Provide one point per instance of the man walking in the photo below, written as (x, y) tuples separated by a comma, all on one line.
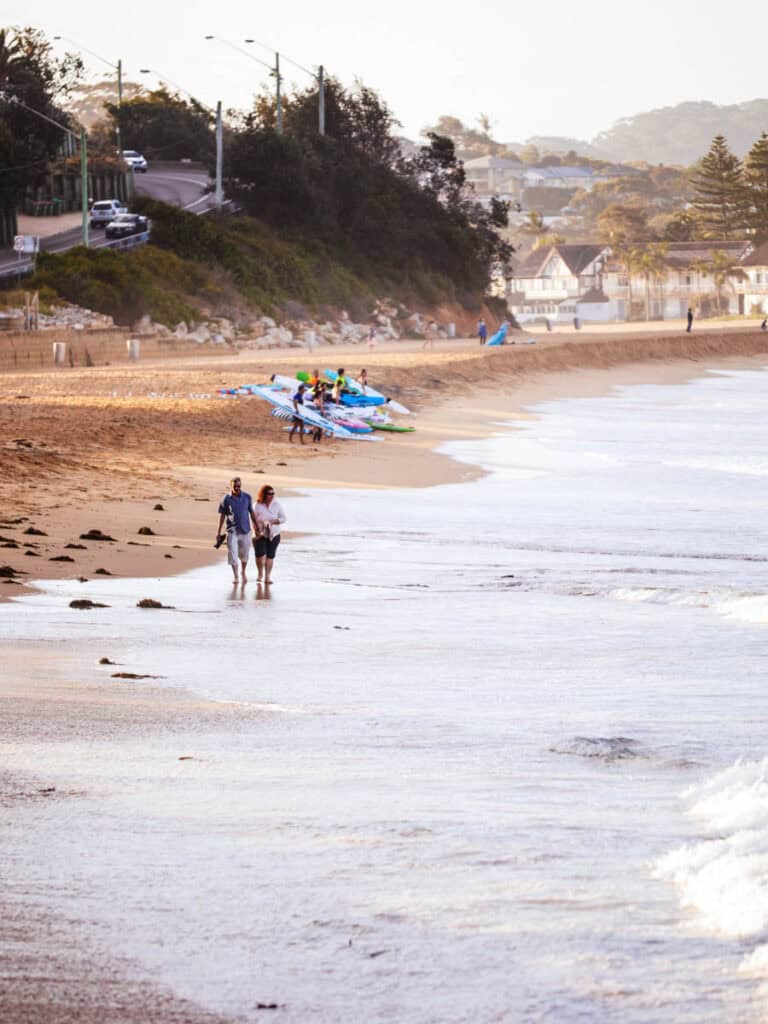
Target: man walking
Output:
[(482, 330), (237, 509), (690, 321)]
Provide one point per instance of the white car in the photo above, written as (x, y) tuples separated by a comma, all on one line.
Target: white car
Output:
[(105, 210), (135, 160)]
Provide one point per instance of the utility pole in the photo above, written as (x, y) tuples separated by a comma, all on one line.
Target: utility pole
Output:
[(219, 193), (278, 95), (119, 105), (84, 183), (321, 100)]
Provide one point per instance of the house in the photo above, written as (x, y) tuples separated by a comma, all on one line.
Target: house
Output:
[(495, 176), (651, 281), (684, 275), (552, 282), (752, 288)]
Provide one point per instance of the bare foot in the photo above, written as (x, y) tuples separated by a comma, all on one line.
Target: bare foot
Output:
[(267, 581)]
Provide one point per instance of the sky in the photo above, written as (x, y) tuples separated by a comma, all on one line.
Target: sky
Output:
[(551, 67)]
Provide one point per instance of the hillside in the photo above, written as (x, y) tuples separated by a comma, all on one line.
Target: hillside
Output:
[(678, 134)]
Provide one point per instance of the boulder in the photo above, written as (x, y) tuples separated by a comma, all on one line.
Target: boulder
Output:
[(180, 330), (200, 335)]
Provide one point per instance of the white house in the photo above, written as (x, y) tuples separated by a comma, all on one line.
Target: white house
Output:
[(554, 280), (752, 288), (702, 276), (594, 283)]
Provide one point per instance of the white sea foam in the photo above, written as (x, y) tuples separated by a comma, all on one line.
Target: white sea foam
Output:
[(724, 877)]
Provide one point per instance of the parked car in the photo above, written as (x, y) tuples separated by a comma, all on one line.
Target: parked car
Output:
[(135, 160), (106, 210), (127, 224)]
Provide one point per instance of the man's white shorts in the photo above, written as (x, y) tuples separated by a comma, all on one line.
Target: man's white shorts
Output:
[(238, 546)]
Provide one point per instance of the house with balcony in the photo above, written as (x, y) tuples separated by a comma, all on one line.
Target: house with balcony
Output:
[(752, 287), (555, 281), (656, 282), (495, 176), (664, 282)]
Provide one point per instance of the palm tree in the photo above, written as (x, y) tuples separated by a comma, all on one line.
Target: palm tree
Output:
[(629, 257), (653, 264), (720, 268)]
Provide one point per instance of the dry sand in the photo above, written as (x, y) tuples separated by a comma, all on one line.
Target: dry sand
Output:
[(101, 447)]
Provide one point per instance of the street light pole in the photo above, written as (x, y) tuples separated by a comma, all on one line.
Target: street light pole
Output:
[(278, 96), (84, 184), (219, 193), (321, 100)]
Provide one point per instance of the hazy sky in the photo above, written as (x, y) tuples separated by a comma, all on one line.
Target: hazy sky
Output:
[(550, 67)]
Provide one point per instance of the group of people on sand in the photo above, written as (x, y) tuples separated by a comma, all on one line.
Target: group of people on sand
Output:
[(237, 514), (320, 391)]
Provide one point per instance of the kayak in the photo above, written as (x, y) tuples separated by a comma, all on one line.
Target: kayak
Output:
[(393, 428)]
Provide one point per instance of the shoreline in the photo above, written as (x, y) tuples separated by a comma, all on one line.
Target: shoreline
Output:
[(130, 431)]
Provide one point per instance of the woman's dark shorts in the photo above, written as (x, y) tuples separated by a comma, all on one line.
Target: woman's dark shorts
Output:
[(263, 547)]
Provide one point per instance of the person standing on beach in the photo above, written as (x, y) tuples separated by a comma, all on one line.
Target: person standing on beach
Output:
[(482, 331), (690, 321), (236, 508), (298, 422), (339, 385), (269, 518), (364, 381), (372, 337), (429, 336)]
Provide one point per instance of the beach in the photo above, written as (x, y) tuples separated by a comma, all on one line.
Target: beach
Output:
[(99, 449)]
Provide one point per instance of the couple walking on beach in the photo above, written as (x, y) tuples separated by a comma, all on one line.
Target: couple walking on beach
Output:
[(238, 512)]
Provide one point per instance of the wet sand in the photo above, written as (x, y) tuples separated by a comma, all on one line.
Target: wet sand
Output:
[(99, 448)]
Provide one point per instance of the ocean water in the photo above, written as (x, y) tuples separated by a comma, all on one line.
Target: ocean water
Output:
[(510, 761)]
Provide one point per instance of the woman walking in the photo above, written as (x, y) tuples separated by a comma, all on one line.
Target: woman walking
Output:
[(269, 518)]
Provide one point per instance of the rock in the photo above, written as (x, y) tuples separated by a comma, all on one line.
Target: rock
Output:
[(146, 531), (102, 572), (97, 535), (61, 558), (180, 330), (149, 602), (105, 661), (158, 508), (85, 603), (32, 554), (267, 322), (8, 572), (131, 675), (31, 531), (145, 328), (200, 335), (75, 547)]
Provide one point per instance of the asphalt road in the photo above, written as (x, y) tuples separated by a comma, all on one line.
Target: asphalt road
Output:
[(179, 186)]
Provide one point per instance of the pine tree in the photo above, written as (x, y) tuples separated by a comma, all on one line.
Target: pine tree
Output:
[(756, 178), (720, 200)]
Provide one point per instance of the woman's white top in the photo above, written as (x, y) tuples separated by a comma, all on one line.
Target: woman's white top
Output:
[(266, 513)]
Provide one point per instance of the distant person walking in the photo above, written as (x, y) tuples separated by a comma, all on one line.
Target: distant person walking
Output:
[(764, 325), (690, 321), (429, 335), (269, 518), (372, 331), (482, 331), (236, 509)]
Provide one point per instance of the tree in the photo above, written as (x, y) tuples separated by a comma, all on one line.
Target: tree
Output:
[(32, 76), (163, 126), (619, 225), (680, 227), (652, 262), (756, 179), (720, 267), (719, 193), (629, 257)]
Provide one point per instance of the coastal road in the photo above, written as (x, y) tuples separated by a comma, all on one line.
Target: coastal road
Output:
[(180, 186)]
